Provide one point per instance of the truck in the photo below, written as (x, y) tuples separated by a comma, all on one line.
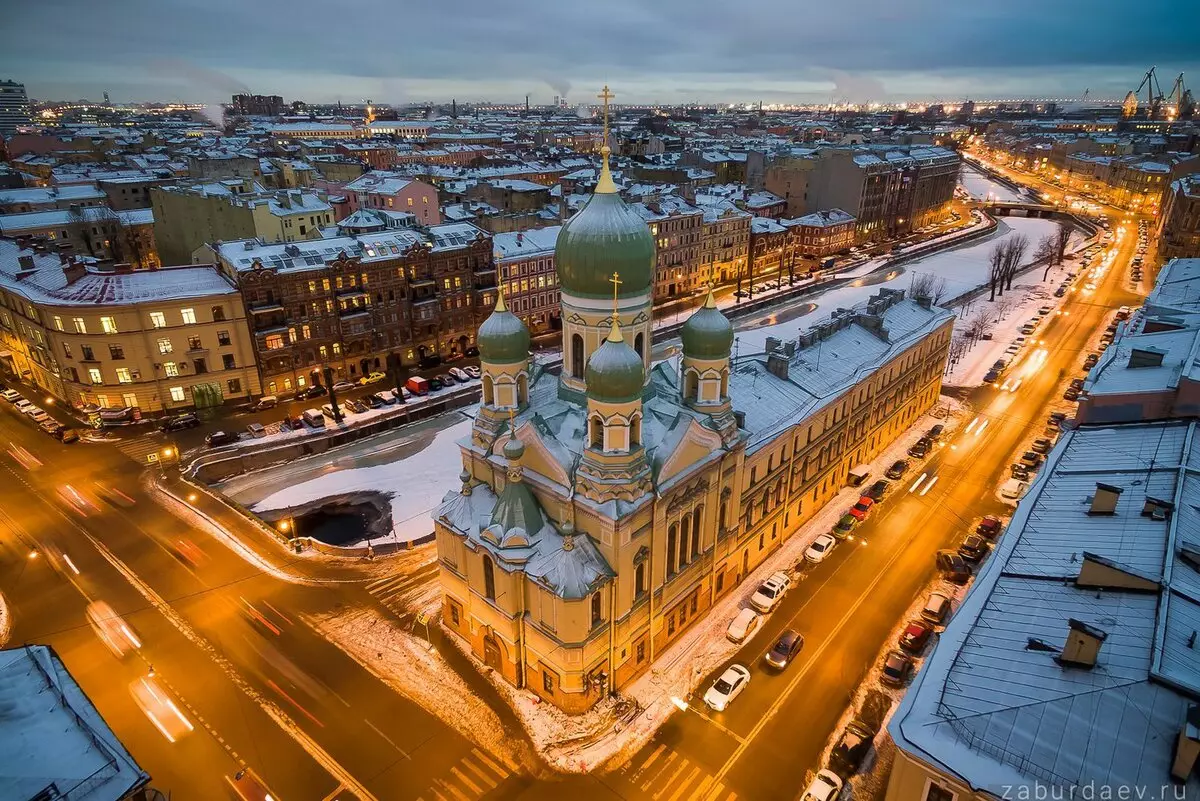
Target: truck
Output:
[(417, 385)]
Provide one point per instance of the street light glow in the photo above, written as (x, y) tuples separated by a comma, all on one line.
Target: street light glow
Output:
[(167, 452), (284, 525)]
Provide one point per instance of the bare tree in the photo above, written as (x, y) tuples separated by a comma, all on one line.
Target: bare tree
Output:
[(1045, 253), (996, 272), (1062, 237), (1005, 306), (929, 285), (978, 325), (1013, 256)]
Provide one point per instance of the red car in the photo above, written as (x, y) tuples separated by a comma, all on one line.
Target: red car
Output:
[(861, 509), (989, 527), (915, 635)]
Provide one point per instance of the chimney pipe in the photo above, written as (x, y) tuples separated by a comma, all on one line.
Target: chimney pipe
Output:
[(1082, 646)]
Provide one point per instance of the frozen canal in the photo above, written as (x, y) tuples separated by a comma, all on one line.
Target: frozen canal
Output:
[(981, 187)]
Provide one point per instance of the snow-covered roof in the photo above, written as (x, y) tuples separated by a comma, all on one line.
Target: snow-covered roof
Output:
[(513, 246), (54, 741), (51, 195), (821, 219), (381, 182), (48, 284), (33, 221), (994, 706)]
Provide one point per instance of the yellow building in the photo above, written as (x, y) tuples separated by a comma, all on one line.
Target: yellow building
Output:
[(157, 340), (603, 510)]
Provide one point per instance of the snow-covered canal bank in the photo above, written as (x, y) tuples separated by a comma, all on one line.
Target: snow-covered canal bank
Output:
[(981, 187)]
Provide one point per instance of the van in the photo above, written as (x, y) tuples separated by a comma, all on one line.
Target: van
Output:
[(266, 402), (417, 385), (858, 475), (314, 418)]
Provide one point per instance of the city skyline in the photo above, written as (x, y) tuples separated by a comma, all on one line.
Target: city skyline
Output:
[(671, 53)]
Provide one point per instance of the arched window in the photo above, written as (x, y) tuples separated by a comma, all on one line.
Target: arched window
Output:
[(637, 345), (522, 389), (696, 531), (489, 396), (724, 521), (596, 609), (690, 386), (685, 530), (576, 356), (639, 580), (672, 538), (635, 432), (724, 384), (489, 578), (596, 433)]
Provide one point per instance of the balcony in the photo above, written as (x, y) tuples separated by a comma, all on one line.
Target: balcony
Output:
[(266, 308)]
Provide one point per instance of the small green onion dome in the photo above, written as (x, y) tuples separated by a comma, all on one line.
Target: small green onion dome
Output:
[(514, 449), (503, 338), (615, 373), (605, 237), (707, 334)]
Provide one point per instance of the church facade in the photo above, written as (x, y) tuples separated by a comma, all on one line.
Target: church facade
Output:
[(606, 507)]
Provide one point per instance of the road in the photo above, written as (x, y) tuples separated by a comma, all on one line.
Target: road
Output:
[(268, 692)]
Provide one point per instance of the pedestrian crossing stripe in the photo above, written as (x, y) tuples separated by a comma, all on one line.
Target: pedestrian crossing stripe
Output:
[(391, 590), (471, 778), (140, 449), (667, 775)]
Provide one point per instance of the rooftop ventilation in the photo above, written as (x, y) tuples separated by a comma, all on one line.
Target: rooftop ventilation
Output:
[(1082, 645), (777, 365), (1103, 573), (1104, 502), (1146, 357), (1157, 509)]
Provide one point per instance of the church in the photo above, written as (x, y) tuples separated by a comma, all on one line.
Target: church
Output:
[(606, 506)]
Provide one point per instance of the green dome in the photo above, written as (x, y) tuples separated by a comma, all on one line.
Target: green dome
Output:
[(503, 338), (615, 373), (707, 334), (605, 237)]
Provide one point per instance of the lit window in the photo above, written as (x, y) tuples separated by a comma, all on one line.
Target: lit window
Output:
[(188, 315), (337, 349), (94, 376), (58, 322), (123, 376), (108, 324), (177, 394), (158, 319), (164, 345), (312, 287), (171, 368), (80, 328), (305, 331), (274, 341), (410, 202)]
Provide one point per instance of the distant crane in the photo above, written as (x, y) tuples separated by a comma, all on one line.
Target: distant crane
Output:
[(1154, 97), (1179, 99)]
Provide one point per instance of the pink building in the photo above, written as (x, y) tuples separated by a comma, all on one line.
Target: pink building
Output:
[(393, 192)]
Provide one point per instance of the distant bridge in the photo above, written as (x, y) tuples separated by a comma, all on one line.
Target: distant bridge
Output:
[(998, 208)]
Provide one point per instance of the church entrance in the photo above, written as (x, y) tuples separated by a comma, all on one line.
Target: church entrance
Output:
[(491, 652)]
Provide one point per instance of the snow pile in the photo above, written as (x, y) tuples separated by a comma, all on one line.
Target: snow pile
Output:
[(614, 731), (415, 484), (1005, 317), (414, 669)]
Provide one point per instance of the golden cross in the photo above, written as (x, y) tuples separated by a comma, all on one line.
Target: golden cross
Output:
[(606, 96), (616, 282), (512, 423)]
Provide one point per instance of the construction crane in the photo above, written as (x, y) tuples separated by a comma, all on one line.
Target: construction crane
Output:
[(1180, 104), (1154, 97)]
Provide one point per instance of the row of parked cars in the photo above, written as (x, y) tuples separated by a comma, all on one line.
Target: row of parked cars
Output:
[(45, 422), (1135, 267)]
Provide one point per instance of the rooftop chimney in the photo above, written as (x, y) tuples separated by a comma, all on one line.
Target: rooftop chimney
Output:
[(1149, 356), (25, 262), (1104, 502), (1187, 746), (74, 270), (777, 365), (1082, 646)]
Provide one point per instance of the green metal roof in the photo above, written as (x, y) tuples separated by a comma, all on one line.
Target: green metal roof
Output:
[(605, 237)]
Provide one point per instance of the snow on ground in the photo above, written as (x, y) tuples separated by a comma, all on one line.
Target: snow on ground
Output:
[(413, 668), (5, 621), (981, 187), (415, 483), (1007, 315), (611, 733)]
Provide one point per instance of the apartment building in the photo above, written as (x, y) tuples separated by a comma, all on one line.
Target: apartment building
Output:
[(362, 303), (1179, 223), (125, 237), (725, 245), (525, 261), (823, 233), (678, 231), (394, 192), (153, 340)]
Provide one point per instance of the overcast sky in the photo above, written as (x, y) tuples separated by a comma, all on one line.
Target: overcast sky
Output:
[(648, 50)]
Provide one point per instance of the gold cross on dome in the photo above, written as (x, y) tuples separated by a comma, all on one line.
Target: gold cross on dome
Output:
[(616, 282), (606, 96)]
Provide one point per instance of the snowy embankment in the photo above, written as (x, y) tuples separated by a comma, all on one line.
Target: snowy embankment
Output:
[(5, 621), (615, 730), (415, 484)]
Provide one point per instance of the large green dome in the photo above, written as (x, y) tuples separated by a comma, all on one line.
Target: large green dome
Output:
[(615, 373), (503, 338), (605, 237), (707, 334)]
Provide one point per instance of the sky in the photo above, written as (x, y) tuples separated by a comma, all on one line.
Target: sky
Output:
[(668, 51)]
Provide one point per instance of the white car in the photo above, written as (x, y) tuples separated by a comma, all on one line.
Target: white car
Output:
[(770, 592), (743, 626), (460, 374), (37, 414), (10, 395), (726, 688), (472, 371), (1014, 489), (825, 787), (22, 404), (820, 548), (387, 398)]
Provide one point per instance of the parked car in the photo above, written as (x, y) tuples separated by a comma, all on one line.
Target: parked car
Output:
[(67, 435), (315, 391), (256, 430), (878, 490), (935, 433), (974, 548), (989, 527), (218, 438), (472, 371), (785, 649), (952, 567), (386, 398), (460, 375), (897, 667), (10, 395), (726, 688), (1019, 471), (915, 636), (1013, 489), (989, 378), (179, 422), (372, 378), (898, 469), (36, 414), (770, 592), (825, 787), (1091, 360), (852, 746), (356, 405), (920, 448), (435, 384), (343, 386), (937, 607), (743, 626), (447, 380), (51, 427), (266, 402), (820, 548), (1055, 419), (844, 526), (861, 509), (1077, 383), (417, 385), (372, 401), (314, 417), (1031, 459)]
